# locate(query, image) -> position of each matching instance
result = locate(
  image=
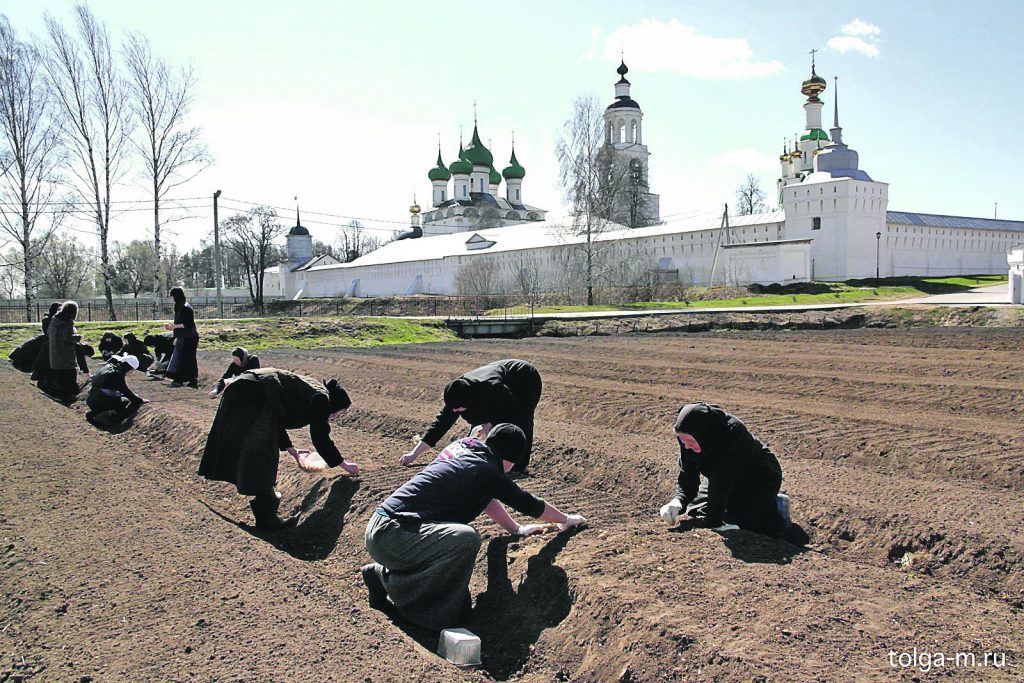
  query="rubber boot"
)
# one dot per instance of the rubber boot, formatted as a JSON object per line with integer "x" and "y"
{"x": 264, "y": 509}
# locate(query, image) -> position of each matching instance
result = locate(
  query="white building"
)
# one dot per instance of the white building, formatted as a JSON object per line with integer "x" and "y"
{"x": 1016, "y": 260}
{"x": 833, "y": 224}
{"x": 289, "y": 279}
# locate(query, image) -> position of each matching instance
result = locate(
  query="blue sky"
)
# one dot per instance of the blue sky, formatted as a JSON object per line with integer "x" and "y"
{"x": 342, "y": 104}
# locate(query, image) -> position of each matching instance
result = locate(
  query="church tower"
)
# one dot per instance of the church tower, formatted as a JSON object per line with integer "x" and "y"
{"x": 635, "y": 206}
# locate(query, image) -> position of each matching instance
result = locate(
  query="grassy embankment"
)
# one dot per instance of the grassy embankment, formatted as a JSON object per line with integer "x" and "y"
{"x": 264, "y": 333}
{"x": 888, "y": 289}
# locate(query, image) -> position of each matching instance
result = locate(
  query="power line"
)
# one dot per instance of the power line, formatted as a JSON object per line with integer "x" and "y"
{"x": 320, "y": 213}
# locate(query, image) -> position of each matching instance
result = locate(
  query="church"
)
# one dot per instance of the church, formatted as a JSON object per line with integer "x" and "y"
{"x": 832, "y": 224}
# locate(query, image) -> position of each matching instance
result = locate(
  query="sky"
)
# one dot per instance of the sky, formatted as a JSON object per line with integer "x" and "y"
{"x": 341, "y": 104}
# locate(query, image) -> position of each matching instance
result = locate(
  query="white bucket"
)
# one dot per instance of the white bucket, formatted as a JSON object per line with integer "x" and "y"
{"x": 459, "y": 646}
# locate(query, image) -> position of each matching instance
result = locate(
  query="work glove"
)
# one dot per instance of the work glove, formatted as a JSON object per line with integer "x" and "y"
{"x": 573, "y": 521}
{"x": 671, "y": 510}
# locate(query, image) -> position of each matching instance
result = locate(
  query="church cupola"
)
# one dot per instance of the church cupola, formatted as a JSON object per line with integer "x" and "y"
{"x": 460, "y": 169}
{"x": 439, "y": 177}
{"x": 514, "y": 174}
{"x": 299, "y": 243}
{"x": 814, "y": 137}
{"x": 481, "y": 159}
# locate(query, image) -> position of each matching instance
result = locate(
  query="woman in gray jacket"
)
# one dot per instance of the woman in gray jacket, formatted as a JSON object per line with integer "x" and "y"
{"x": 62, "y": 382}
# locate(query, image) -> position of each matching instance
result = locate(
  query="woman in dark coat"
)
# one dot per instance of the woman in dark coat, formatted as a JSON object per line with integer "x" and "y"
{"x": 743, "y": 475}
{"x": 110, "y": 400}
{"x": 504, "y": 391}
{"x": 241, "y": 361}
{"x": 45, "y": 322}
{"x": 133, "y": 347}
{"x": 24, "y": 356}
{"x": 163, "y": 349}
{"x": 42, "y": 360}
{"x": 183, "y": 368}
{"x": 110, "y": 344}
{"x": 61, "y": 379}
{"x": 250, "y": 429}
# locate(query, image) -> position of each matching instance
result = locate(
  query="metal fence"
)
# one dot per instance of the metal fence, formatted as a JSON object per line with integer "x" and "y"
{"x": 497, "y": 306}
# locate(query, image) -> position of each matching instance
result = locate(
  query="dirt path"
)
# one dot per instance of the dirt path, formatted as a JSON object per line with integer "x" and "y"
{"x": 903, "y": 452}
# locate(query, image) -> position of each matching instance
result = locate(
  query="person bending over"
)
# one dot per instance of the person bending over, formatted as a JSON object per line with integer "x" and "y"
{"x": 421, "y": 539}
{"x": 250, "y": 428}
{"x": 134, "y": 347}
{"x": 163, "y": 348}
{"x": 110, "y": 345}
{"x": 241, "y": 361}
{"x": 743, "y": 476}
{"x": 503, "y": 391}
{"x": 110, "y": 400}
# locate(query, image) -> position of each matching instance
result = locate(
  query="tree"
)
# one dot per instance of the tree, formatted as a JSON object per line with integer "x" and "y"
{"x": 172, "y": 153}
{"x": 355, "y": 241}
{"x": 749, "y": 197}
{"x": 66, "y": 268}
{"x": 30, "y": 156}
{"x": 92, "y": 99}
{"x": 133, "y": 264}
{"x": 590, "y": 179}
{"x": 10, "y": 275}
{"x": 478, "y": 277}
{"x": 525, "y": 275}
{"x": 251, "y": 236}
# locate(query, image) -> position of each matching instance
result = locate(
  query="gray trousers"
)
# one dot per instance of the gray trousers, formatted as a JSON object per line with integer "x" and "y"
{"x": 425, "y": 568}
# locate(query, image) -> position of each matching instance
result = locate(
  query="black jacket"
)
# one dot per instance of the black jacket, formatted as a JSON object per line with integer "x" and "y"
{"x": 234, "y": 370}
{"x": 295, "y": 402}
{"x": 135, "y": 348}
{"x": 729, "y": 453}
{"x": 24, "y": 357}
{"x": 110, "y": 344}
{"x": 503, "y": 391}
{"x": 184, "y": 315}
{"x": 109, "y": 381}
{"x": 456, "y": 487}
{"x": 61, "y": 336}
{"x": 163, "y": 346}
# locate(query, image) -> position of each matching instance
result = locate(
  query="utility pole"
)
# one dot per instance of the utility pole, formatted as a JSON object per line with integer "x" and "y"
{"x": 878, "y": 251}
{"x": 216, "y": 256}
{"x": 722, "y": 229}
{"x": 995, "y": 211}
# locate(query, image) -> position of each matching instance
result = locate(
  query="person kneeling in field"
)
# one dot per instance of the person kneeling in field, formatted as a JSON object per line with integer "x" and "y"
{"x": 503, "y": 391}
{"x": 163, "y": 348}
{"x": 420, "y": 536}
{"x": 110, "y": 400}
{"x": 241, "y": 361}
{"x": 743, "y": 476}
{"x": 134, "y": 347}
{"x": 250, "y": 428}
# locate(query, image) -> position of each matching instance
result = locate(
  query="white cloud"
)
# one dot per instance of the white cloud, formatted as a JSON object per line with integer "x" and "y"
{"x": 748, "y": 160}
{"x": 860, "y": 28}
{"x": 653, "y": 46}
{"x": 856, "y": 36}
{"x": 844, "y": 44}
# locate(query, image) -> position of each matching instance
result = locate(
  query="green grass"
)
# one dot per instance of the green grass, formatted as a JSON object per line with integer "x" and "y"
{"x": 888, "y": 289}
{"x": 265, "y": 333}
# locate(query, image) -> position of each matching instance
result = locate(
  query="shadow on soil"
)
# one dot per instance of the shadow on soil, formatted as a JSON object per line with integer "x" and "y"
{"x": 508, "y": 621}
{"x": 322, "y": 519}
{"x": 750, "y": 547}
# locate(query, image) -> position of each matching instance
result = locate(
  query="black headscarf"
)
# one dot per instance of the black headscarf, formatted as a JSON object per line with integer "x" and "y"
{"x": 339, "y": 397}
{"x": 178, "y": 294}
{"x": 241, "y": 353}
{"x": 459, "y": 393}
{"x": 508, "y": 442}
{"x": 705, "y": 422}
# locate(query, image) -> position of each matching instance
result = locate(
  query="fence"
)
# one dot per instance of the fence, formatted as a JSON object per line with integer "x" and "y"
{"x": 496, "y": 306}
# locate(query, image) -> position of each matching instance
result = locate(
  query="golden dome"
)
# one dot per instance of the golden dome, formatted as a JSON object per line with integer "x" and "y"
{"x": 414, "y": 209}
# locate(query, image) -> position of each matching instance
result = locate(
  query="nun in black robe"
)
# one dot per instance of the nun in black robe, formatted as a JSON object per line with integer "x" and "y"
{"x": 251, "y": 428}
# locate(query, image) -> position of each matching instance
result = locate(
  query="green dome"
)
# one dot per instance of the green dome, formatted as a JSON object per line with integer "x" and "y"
{"x": 461, "y": 167}
{"x": 495, "y": 177}
{"x": 476, "y": 153}
{"x": 439, "y": 172}
{"x": 815, "y": 134}
{"x": 513, "y": 171}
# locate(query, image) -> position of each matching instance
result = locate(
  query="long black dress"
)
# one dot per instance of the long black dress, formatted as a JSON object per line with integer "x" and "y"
{"x": 503, "y": 391}
{"x": 743, "y": 475}
{"x": 250, "y": 428}
{"x": 183, "y": 366}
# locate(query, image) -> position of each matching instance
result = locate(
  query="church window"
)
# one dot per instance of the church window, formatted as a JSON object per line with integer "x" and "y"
{"x": 517, "y": 194}
{"x": 442, "y": 195}
{"x": 816, "y": 223}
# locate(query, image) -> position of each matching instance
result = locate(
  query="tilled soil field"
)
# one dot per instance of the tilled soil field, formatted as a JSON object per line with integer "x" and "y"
{"x": 902, "y": 450}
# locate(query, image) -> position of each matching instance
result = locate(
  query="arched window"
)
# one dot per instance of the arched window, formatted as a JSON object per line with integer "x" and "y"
{"x": 622, "y": 131}
{"x": 632, "y": 132}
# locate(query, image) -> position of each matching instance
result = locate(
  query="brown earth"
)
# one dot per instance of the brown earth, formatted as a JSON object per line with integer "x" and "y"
{"x": 902, "y": 450}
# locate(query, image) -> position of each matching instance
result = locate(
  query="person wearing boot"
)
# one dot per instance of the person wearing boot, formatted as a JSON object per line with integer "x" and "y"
{"x": 241, "y": 361}
{"x": 183, "y": 367}
{"x": 421, "y": 540}
{"x": 251, "y": 426}
{"x": 61, "y": 378}
{"x": 743, "y": 476}
{"x": 110, "y": 400}
{"x": 504, "y": 391}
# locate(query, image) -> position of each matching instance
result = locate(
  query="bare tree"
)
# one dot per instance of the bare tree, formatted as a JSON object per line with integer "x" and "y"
{"x": 30, "y": 155}
{"x": 590, "y": 179}
{"x": 354, "y": 241}
{"x": 134, "y": 263}
{"x": 66, "y": 269}
{"x": 172, "y": 153}
{"x": 525, "y": 275}
{"x": 93, "y": 100}
{"x": 478, "y": 277}
{"x": 749, "y": 197}
{"x": 10, "y": 275}
{"x": 251, "y": 236}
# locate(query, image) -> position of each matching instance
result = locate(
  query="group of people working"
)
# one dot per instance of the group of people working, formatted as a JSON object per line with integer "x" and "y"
{"x": 420, "y": 537}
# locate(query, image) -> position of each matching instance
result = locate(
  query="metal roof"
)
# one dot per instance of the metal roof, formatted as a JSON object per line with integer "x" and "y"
{"x": 938, "y": 221}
